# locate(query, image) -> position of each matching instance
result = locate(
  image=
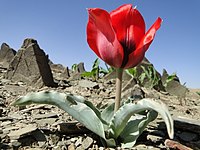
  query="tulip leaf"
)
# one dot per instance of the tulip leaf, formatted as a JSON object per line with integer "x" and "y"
{"x": 135, "y": 127}
{"x": 108, "y": 113}
{"x": 76, "y": 106}
{"x": 122, "y": 116}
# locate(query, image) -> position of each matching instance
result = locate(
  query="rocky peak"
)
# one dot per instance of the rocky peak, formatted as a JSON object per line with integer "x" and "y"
{"x": 6, "y": 55}
{"x": 29, "y": 42}
{"x": 30, "y": 65}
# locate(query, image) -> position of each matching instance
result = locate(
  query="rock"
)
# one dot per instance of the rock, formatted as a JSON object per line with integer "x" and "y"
{"x": 6, "y": 55}
{"x": 30, "y": 65}
{"x": 14, "y": 135}
{"x": 15, "y": 143}
{"x": 72, "y": 128}
{"x": 165, "y": 75}
{"x": 79, "y": 142}
{"x": 136, "y": 93}
{"x": 112, "y": 75}
{"x": 147, "y": 83}
{"x": 59, "y": 71}
{"x": 186, "y": 124}
{"x": 47, "y": 121}
{"x": 87, "y": 142}
{"x": 71, "y": 146}
{"x": 42, "y": 116}
{"x": 129, "y": 84}
{"x": 6, "y": 123}
{"x": 80, "y": 67}
{"x": 188, "y": 136}
{"x": 154, "y": 138}
{"x": 87, "y": 84}
{"x": 175, "y": 88}
{"x": 40, "y": 137}
{"x": 77, "y": 71}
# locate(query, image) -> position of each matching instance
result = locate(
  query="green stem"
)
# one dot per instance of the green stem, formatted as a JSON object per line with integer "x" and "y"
{"x": 119, "y": 73}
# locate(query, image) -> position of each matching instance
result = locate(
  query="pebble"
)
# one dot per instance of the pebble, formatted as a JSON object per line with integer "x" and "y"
{"x": 87, "y": 142}
{"x": 15, "y": 143}
{"x": 22, "y": 132}
{"x": 87, "y": 84}
{"x": 71, "y": 146}
{"x": 153, "y": 138}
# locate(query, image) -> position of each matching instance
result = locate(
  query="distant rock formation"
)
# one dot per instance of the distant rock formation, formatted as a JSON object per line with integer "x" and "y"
{"x": 174, "y": 87}
{"x": 148, "y": 66}
{"x": 59, "y": 71}
{"x": 6, "y": 55}
{"x": 30, "y": 65}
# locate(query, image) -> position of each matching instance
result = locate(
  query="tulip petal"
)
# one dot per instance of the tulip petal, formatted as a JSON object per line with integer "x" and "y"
{"x": 129, "y": 26}
{"x": 149, "y": 36}
{"x": 102, "y": 39}
{"x": 136, "y": 56}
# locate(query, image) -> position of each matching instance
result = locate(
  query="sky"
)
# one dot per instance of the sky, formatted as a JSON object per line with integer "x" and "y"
{"x": 60, "y": 29}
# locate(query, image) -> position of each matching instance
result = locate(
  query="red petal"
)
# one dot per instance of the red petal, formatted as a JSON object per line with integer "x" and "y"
{"x": 149, "y": 36}
{"x": 102, "y": 38}
{"x": 129, "y": 25}
{"x": 137, "y": 55}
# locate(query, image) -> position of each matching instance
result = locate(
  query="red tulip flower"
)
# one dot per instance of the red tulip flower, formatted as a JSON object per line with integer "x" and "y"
{"x": 119, "y": 37}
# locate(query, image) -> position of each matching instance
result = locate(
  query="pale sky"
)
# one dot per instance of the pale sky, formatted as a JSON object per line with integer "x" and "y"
{"x": 60, "y": 29}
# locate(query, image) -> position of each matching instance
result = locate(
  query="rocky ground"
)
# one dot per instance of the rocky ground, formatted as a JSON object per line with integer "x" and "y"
{"x": 47, "y": 127}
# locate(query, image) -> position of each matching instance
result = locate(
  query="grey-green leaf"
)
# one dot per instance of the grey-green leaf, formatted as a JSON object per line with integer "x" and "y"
{"x": 121, "y": 117}
{"x": 76, "y": 106}
{"x": 107, "y": 114}
{"x": 135, "y": 127}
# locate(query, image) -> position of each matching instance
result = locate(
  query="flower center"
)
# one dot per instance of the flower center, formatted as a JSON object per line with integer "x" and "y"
{"x": 128, "y": 47}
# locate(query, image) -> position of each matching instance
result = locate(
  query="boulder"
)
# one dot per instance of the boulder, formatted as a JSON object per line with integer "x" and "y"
{"x": 30, "y": 65}
{"x": 165, "y": 76}
{"x": 174, "y": 87}
{"x": 59, "y": 71}
{"x": 80, "y": 67}
{"x": 6, "y": 55}
{"x": 75, "y": 73}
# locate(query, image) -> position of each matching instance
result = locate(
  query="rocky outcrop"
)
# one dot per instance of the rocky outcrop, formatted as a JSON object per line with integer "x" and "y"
{"x": 151, "y": 79}
{"x": 6, "y": 55}
{"x": 59, "y": 71}
{"x": 30, "y": 65}
{"x": 174, "y": 87}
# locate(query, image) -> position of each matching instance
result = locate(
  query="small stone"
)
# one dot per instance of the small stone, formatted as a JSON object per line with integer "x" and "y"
{"x": 101, "y": 148}
{"x": 15, "y": 116}
{"x": 1, "y": 131}
{"x": 15, "y": 143}
{"x": 6, "y": 123}
{"x": 79, "y": 148}
{"x": 41, "y": 116}
{"x": 40, "y": 137}
{"x": 78, "y": 142}
{"x": 8, "y": 129}
{"x": 71, "y": 146}
{"x": 87, "y": 84}
{"x": 73, "y": 140}
{"x": 22, "y": 132}
{"x": 154, "y": 138}
{"x": 87, "y": 142}
{"x": 44, "y": 122}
